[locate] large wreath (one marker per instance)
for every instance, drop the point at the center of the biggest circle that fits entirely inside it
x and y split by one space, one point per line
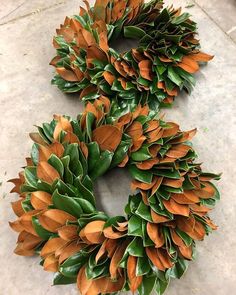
153 241
163 63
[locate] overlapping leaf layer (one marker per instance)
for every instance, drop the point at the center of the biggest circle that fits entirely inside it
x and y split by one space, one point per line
56 209
164 62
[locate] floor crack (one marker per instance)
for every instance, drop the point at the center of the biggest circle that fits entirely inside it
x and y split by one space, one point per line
214 21
36 11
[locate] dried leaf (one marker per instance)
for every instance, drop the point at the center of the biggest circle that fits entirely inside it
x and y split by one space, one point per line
53 219
40 200
46 172
145 67
134 280
93 231
67 75
155 234
108 137
176 208
51 246
68 232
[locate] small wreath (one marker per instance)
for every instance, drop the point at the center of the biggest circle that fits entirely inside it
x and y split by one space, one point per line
153 241
164 62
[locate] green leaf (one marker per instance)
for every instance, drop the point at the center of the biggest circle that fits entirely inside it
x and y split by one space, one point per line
31 176
167 173
144 212
89 123
135 248
174 77
161 286
74 164
120 153
147 285
68 176
140 175
93 155
178 269
57 164
59 279
135 226
102 164
83 191
143 267
180 19
142 154
35 153
67 204
133 32
86 206
186 238
43 233
72 265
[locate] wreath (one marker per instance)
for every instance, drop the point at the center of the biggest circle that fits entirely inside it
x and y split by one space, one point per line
163 63
56 209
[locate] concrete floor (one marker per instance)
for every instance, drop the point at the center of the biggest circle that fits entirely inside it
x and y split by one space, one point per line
27 99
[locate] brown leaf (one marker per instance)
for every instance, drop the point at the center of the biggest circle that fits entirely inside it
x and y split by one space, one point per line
188 64
135 130
134 280
53 219
69 250
115 260
157 218
83 283
111 234
95 53
176 183
109 77
62 124
68 232
46 172
17 207
159 258
155 234
178 151
171 130
175 208
118 10
67 75
186 136
37 138
108 137
192 227
148 164
57 149
200 56
40 200
186 251
50 263
101 251
185 198
206 192
51 246
145 67
93 231
26 244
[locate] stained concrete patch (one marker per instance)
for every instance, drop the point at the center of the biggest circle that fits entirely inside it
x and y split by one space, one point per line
28 99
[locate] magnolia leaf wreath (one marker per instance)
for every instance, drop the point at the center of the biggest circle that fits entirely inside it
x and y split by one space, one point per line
167 55
153 241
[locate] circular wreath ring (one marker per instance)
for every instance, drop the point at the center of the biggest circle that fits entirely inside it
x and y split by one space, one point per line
56 209
163 63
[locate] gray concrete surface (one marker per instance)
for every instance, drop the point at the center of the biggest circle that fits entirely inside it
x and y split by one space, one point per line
27 98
